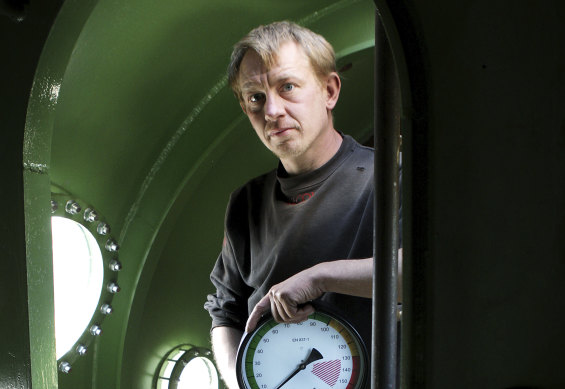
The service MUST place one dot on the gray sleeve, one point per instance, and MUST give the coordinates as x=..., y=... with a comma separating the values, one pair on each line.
x=228, y=306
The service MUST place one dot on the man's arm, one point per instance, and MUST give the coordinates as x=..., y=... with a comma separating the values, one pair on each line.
x=225, y=341
x=349, y=276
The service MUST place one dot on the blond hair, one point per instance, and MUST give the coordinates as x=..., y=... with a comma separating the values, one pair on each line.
x=266, y=41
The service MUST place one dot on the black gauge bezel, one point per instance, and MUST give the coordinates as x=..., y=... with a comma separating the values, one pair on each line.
x=247, y=337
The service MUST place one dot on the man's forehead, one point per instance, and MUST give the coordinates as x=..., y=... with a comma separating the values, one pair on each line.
x=290, y=59
x=252, y=64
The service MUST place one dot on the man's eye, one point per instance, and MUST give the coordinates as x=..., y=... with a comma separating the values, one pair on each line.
x=257, y=97
x=288, y=87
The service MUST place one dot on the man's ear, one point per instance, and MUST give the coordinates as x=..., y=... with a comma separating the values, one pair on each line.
x=333, y=86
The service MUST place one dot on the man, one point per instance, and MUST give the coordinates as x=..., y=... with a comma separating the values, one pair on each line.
x=304, y=231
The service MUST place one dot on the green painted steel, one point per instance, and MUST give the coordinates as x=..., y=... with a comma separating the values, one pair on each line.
x=129, y=111
x=26, y=326
x=131, y=97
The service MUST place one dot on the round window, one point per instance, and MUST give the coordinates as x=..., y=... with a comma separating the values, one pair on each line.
x=198, y=373
x=78, y=273
x=188, y=367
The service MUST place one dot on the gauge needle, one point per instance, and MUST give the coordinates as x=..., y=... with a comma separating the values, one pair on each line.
x=313, y=356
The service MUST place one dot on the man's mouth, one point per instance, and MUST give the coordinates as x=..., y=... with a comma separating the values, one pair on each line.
x=279, y=131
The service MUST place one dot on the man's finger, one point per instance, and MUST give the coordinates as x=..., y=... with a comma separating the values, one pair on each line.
x=305, y=311
x=260, y=308
x=282, y=311
x=275, y=311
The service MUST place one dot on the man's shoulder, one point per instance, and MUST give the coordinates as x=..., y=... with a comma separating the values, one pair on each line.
x=250, y=197
x=361, y=155
x=360, y=148
x=256, y=185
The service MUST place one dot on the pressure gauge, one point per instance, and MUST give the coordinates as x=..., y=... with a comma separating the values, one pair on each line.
x=323, y=352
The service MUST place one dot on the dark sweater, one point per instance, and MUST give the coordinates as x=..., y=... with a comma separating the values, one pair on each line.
x=276, y=226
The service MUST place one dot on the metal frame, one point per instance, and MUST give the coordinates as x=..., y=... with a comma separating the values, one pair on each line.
x=384, y=369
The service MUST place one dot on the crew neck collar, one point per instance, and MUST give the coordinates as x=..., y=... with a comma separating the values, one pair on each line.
x=300, y=183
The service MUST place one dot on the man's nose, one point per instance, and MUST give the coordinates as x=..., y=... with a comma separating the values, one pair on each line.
x=274, y=107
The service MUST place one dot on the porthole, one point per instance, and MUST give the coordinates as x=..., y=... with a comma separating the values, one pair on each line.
x=78, y=276
x=85, y=268
x=187, y=367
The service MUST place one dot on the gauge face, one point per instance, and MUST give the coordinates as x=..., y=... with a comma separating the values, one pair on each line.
x=321, y=353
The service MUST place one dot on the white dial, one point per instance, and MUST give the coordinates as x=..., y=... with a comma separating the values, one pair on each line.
x=320, y=353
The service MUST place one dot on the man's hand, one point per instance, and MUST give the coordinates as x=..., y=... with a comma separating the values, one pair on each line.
x=288, y=300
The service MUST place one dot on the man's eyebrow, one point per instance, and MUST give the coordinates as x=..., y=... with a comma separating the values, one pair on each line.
x=250, y=85
x=283, y=76
x=277, y=79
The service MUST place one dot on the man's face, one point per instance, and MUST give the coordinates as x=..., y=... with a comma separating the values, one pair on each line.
x=288, y=106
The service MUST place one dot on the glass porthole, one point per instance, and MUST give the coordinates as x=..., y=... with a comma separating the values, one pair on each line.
x=85, y=276
x=187, y=367
x=78, y=274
